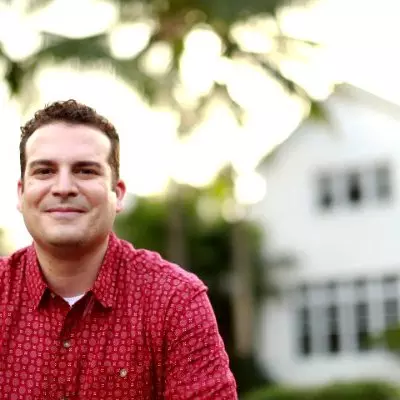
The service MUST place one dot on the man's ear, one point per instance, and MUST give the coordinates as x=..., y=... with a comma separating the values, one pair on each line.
x=20, y=189
x=120, y=190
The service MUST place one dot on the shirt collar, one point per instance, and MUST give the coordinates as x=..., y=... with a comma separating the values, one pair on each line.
x=104, y=287
x=34, y=278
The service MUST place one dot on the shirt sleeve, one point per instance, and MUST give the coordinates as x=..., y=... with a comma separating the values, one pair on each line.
x=196, y=365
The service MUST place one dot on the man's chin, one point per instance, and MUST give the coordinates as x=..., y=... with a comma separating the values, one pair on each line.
x=66, y=241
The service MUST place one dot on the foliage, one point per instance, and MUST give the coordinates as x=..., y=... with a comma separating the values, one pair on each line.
x=388, y=339
x=343, y=391
x=208, y=241
x=247, y=373
x=90, y=51
x=173, y=21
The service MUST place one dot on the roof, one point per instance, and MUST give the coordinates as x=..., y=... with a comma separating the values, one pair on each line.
x=342, y=90
x=369, y=98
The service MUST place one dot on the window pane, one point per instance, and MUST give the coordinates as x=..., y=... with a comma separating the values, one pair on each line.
x=333, y=329
x=332, y=289
x=360, y=288
x=362, y=340
x=304, y=336
x=362, y=335
x=354, y=188
x=390, y=286
x=391, y=312
x=383, y=184
x=333, y=344
x=325, y=191
x=304, y=289
x=305, y=345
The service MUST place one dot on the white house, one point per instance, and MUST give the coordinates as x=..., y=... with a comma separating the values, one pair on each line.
x=333, y=203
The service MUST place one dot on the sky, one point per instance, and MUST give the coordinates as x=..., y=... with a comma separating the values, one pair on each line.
x=359, y=47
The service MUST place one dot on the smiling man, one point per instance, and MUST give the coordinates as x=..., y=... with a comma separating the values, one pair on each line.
x=83, y=314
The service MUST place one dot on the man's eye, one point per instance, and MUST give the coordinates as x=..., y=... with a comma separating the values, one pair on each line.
x=87, y=171
x=43, y=171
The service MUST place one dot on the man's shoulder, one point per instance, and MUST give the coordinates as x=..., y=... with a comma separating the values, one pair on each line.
x=14, y=258
x=10, y=263
x=4, y=273
x=4, y=262
x=150, y=267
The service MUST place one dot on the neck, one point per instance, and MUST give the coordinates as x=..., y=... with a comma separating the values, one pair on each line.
x=74, y=274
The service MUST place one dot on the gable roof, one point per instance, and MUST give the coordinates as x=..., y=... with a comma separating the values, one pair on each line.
x=368, y=98
x=342, y=90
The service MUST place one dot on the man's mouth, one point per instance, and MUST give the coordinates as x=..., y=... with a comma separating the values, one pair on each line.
x=64, y=210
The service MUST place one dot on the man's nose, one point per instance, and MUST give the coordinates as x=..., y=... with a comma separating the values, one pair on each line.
x=64, y=185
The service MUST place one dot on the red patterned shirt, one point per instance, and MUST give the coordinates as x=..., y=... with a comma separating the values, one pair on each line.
x=146, y=330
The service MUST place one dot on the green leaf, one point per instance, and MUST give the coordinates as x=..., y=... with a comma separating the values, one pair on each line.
x=15, y=73
x=390, y=339
x=233, y=10
x=130, y=72
x=291, y=86
x=214, y=11
x=30, y=5
x=94, y=51
x=318, y=111
x=35, y=5
x=88, y=49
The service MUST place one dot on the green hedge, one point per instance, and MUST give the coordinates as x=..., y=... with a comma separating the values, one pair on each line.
x=339, y=391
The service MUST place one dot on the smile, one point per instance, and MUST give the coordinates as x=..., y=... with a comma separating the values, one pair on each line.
x=66, y=213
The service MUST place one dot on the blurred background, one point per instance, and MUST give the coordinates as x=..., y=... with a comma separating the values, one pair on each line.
x=261, y=150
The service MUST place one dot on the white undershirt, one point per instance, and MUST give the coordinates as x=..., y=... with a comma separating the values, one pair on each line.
x=72, y=300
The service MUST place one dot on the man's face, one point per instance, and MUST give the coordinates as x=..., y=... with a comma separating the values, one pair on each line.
x=66, y=197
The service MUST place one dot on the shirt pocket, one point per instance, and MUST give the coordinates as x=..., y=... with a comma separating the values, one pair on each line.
x=121, y=375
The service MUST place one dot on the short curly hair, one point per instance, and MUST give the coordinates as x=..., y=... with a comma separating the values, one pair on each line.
x=71, y=112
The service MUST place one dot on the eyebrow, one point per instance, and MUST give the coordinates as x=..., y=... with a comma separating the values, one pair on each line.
x=36, y=163
x=81, y=164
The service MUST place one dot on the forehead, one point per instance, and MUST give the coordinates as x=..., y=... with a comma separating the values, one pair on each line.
x=67, y=143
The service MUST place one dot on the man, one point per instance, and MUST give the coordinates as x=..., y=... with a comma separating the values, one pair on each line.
x=84, y=315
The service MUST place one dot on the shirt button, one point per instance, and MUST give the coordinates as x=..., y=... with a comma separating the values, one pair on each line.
x=123, y=373
x=67, y=345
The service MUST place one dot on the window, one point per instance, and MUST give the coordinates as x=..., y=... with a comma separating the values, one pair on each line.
x=353, y=187
x=317, y=319
x=339, y=317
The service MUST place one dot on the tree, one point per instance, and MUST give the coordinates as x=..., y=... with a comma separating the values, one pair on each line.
x=172, y=21
x=81, y=52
